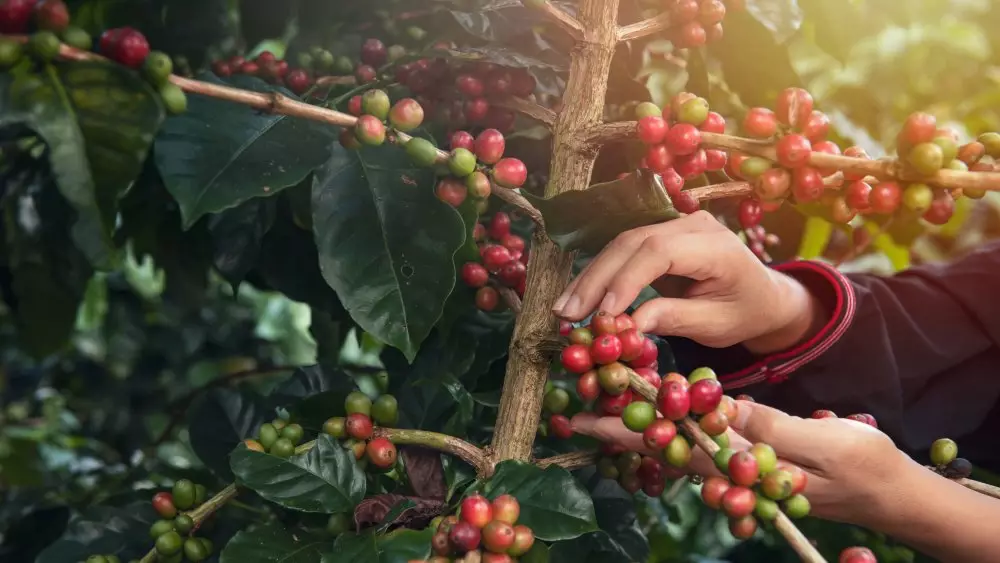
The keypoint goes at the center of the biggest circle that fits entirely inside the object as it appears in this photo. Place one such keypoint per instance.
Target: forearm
(941, 518)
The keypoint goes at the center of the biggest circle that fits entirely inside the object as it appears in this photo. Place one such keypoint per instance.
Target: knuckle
(656, 244)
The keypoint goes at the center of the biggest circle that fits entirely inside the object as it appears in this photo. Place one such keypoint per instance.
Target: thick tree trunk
(548, 268)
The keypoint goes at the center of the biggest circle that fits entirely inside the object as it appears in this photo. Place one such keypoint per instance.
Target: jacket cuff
(835, 293)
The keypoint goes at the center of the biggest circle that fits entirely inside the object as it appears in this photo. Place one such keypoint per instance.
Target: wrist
(800, 315)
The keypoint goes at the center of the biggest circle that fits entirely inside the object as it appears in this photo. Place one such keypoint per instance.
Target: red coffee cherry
(498, 536)
(359, 426)
(474, 274)
(674, 401)
(373, 52)
(588, 387)
(691, 166)
(576, 358)
(659, 433)
(450, 190)
(524, 538)
(738, 502)
(823, 413)
(760, 123)
(683, 138)
(631, 341)
(506, 509)
(560, 427)
(602, 323)
(513, 273)
(624, 322)
(857, 555)
(469, 85)
(743, 528)
(714, 123)
(714, 423)
(712, 491)
(715, 160)
(793, 151)
(658, 158)
(614, 405)
(489, 146)
(743, 469)
(685, 203)
(863, 418)
(773, 184)
(918, 128)
(651, 130)
(495, 257)
(381, 453)
(750, 213)
(807, 184)
(858, 195)
(941, 209)
(487, 299)
(476, 110)
(163, 504)
(606, 349)
(691, 34)
(464, 537)
(648, 357)
(476, 510)
(705, 396)
(885, 197)
(794, 106)
(510, 172)
(365, 74)
(461, 140)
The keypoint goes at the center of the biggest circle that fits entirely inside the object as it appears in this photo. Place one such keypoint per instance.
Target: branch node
(645, 27)
(568, 23)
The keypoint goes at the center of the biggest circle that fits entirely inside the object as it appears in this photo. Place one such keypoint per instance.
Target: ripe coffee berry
(510, 172)
(524, 538)
(648, 356)
(461, 140)
(506, 509)
(651, 130)
(807, 184)
(885, 197)
(358, 426)
(794, 106)
(469, 85)
(705, 396)
(373, 52)
(743, 528)
(941, 209)
(476, 510)
(381, 453)
(659, 434)
(918, 128)
(489, 146)
(650, 376)
(743, 469)
(450, 190)
(858, 195)
(495, 256)
(163, 504)
(464, 537)
(714, 423)
(674, 401)
(370, 130)
(857, 555)
(823, 413)
(631, 341)
(407, 114)
(793, 151)
(683, 138)
(614, 405)
(602, 323)
(760, 123)
(658, 158)
(738, 502)
(750, 214)
(690, 167)
(298, 81)
(576, 358)
(715, 160)
(606, 349)
(499, 226)
(513, 273)
(588, 387)
(487, 299)
(816, 128)
(498, 536)
(131, 48)
(712, 491)
(772, 184)
(475, 275)
(714, 123)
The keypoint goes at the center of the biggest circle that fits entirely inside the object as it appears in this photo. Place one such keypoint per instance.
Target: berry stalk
(782, 523)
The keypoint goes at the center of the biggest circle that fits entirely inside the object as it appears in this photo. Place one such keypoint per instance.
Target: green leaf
(553, 504)
(589, 219)
(815, 238)
(315, 394)
(219, 154)
(781, 17)
(399, 546)
(271, 544)
(220, 421)
(237, 235)
(98, 121)
(49, 275)
(385, 242)
(325, 479)
(121, 531)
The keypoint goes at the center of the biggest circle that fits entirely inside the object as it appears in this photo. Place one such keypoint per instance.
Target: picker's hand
(734, 298)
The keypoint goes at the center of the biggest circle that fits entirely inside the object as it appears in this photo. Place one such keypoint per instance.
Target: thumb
(689, 318)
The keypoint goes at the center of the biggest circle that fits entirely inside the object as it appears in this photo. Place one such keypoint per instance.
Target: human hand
(854, 472)
(734, 298)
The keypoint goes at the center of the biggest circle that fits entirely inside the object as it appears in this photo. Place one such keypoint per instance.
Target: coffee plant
(278, 277)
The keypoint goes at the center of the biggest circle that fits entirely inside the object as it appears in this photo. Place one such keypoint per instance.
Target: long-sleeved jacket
(919, 350)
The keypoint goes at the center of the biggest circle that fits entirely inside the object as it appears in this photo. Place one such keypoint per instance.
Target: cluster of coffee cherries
(267, 67)
(944, 458)
(672, 135)
(357, 429)
(554, 404)
(503, 261)
(373, 109)
(695, 22)
(125, 45)
(759, 240)
(864, 418)
(174, 533)
(278, 438)
(486, 531)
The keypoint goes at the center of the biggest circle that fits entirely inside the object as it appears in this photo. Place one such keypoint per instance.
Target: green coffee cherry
(183, 494)
(169, 543)
(157, 68)
(293, 433)
(268, 435)
(174, 99)
(385, 411)
(44, 46)
(11, 52)
(422, 152)
(358, 403)
(283, 448)
(943, 451)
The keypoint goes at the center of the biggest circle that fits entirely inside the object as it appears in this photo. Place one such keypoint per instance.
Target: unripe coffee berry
(479, 187)
(376, 103)
(767, 458)
(406, 115)
(796, 506)
(678, 452)
(461, 162)
(926, 158)
(647, 109)
(370, 130)
(766, 509)
(693, 111)
(581, 335)
(714, 423)
(385, 410)
(506, 509)
(614, 378)
(556, 401)
(943, 451)
(638, 416)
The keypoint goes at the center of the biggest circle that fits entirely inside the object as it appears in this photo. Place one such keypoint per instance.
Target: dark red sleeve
(919, 350)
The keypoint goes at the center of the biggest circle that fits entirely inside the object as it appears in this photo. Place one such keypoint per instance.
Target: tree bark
(549, 268)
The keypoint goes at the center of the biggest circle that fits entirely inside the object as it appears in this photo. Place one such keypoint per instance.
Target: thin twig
(721, 191)
(459, 448)
(198, 515)
(645, 27)
(511, 298)
(515, 198)
(980, 487)
(538, 113)
(782, 523)
(675, 489)
(571, 25)
(571, 460)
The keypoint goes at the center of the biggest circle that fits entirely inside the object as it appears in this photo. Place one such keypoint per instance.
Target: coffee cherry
(705, 396)
(693, 111)
(462, 140)
(658, 158)
(498, 536)
(767, 459)
(690, 167)
(816, 127)
(376, 103)
(15, 16)
(606, 349)
(682, 139)
(918, 128)
(712, 491)
(510, 172)
(365, 74)
(385, 410)
(489, 146)
(43, 46)
(174, 99)
(254, 445)
(556, 401)
(943, 451)
(959, 468)
(760, 123)
(918, 197)
(651, 130)
(335, 427)
(857, 555)
(606, 468)
(461, 162)
(646, 109)
(560, 427)
(131, 49)
(479, 187)
(183, 494)
(794, 107)
(702, 373)
(357, 402)
(381, 453)
(689, 35)
(373, 52)
(163, 504)
(714, 423)
(778, 485)
(495, 256)
(183, 524)
(370, 130)
(464, 537)
(476, 510)
(823, 413)
(674, 401)
(358, 426)
(743, 528)
(885, 197)
(738, 502)
(169, 543)
(293, 433)
(941, 209)
(407, 114)
(506, 509)
(678, 452)
(991, 143)
(614, 378)
(722, 457)
(926, 158)
(796, 506)
(576, 358)
(487, 299)
(659, 433)
(581, 335)
(754, 167)
(631, 342)
(807, 184)
(648, 356)
(638, 416)
(772, 184)
(524, 538)
(476, 110)
(793, 151)
(743, 469)
(588, 387)
(160, 527)
(421, 151)
(157, 68)
(750, 213)
(469, 85)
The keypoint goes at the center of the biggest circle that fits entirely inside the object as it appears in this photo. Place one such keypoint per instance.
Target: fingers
(700, 320)
(634, 260)
(792, 438)
(609, 429)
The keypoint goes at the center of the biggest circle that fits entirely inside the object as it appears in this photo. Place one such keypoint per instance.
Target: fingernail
(743, 411)
(581, 424)
(570, 309)
(608, 303)
(559, 304)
